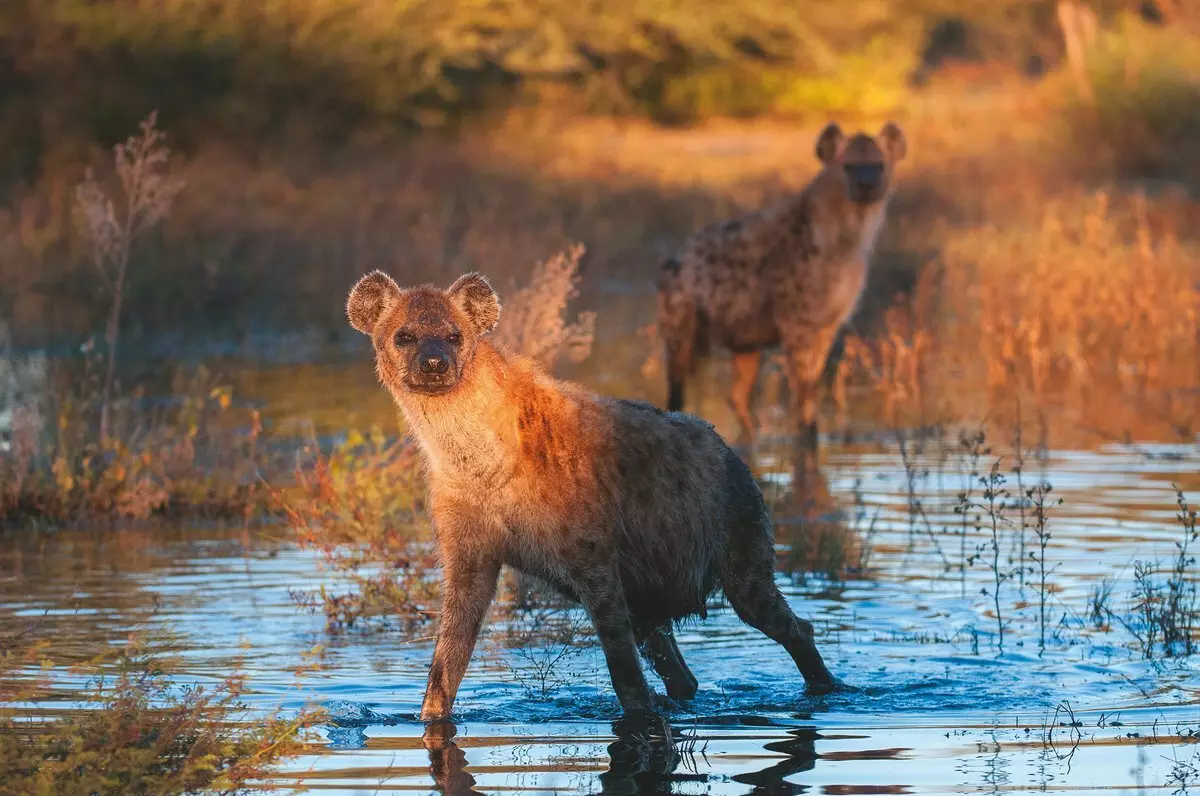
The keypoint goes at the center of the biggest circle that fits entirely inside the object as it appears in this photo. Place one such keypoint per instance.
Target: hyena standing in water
(637, 514)
(788, 275)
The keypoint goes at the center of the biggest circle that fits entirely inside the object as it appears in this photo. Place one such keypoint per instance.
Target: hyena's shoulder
(652, 444)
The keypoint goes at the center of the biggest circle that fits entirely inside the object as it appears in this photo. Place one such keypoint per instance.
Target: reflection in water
(645, 756)
(447, 763)
(800, 754)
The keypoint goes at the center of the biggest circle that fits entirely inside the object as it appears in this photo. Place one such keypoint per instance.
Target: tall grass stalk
(146, 196)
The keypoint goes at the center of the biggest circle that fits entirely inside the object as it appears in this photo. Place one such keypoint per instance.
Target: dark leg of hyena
(603, 598)
(468, 588)
(745, 374)
(678, 325)
(664, 653)
(749, 581)
(678, 365)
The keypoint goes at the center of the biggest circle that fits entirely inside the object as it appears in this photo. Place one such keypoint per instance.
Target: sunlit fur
(638, 514)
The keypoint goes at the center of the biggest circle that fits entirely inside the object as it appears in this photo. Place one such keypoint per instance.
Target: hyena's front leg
(468, 586)
(603, 598)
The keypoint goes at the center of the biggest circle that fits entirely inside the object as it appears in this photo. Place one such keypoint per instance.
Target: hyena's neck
(841, 229)
(870, 223)
(465, 431)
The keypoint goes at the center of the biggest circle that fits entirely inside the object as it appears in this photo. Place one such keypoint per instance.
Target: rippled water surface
(936, 707)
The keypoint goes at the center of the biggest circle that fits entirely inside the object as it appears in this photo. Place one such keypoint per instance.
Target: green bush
(254, 71)
(1144, 110)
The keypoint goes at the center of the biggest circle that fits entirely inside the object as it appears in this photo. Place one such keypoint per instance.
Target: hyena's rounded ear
(829, 143)
(892, 142)
(368, 300)
(473, 294)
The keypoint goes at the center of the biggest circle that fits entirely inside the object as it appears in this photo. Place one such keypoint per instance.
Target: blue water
(935, 707)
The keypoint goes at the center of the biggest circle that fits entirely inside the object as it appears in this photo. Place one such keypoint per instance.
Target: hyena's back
(715, 289)
(684, 499)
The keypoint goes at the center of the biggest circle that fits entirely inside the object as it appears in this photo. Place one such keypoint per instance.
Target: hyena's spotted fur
(638, 514)
(789, 275)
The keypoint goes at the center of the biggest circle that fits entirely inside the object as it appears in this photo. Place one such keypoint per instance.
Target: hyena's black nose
(434, 363)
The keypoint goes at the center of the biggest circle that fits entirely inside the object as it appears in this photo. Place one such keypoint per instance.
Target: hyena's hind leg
(668, 662)
(749, 581)
(679, 328)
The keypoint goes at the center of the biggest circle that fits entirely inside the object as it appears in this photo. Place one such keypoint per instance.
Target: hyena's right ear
(829, 143)
(473, 294)
(368, 300)
(894, 143)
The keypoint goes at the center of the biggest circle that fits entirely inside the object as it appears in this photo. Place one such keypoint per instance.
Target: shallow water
(936, 707)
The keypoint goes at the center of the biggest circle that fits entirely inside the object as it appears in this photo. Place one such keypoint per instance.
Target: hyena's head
(424, 338)
(865, 162)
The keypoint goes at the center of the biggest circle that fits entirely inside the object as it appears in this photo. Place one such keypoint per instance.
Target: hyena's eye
(454, 338)
(405, 338)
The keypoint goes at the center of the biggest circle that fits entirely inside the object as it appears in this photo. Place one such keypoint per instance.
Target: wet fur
(638, 514)
(789, 275)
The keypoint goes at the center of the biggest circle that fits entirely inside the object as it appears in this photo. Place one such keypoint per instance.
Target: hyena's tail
(682, 330)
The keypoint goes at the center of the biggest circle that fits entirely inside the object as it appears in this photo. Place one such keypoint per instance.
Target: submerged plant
(995, 495)
(1038, 496)
(971, 447)
(1168, 612)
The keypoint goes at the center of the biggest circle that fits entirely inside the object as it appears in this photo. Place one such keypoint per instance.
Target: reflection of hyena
(637, 514)
(787, 275)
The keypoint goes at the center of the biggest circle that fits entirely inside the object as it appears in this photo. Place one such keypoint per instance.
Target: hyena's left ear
(473, 294)
(892, 142)
(368, 300)
(829, 143)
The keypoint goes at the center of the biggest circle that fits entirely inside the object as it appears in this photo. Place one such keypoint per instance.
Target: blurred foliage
(1144, 117)
(195, 454)
(76, 71)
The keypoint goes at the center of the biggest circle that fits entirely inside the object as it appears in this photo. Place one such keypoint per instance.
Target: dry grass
(1091, 317)
(196, 454)
(534, 318)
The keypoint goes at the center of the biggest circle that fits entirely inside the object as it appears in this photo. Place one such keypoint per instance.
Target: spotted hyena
(637, 514)
(789, 275)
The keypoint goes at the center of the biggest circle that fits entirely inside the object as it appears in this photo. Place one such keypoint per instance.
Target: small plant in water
(1167, 614)
(995, 495)
(1098, 609)
(545, 640)
(1038, 496)
(971, 447)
